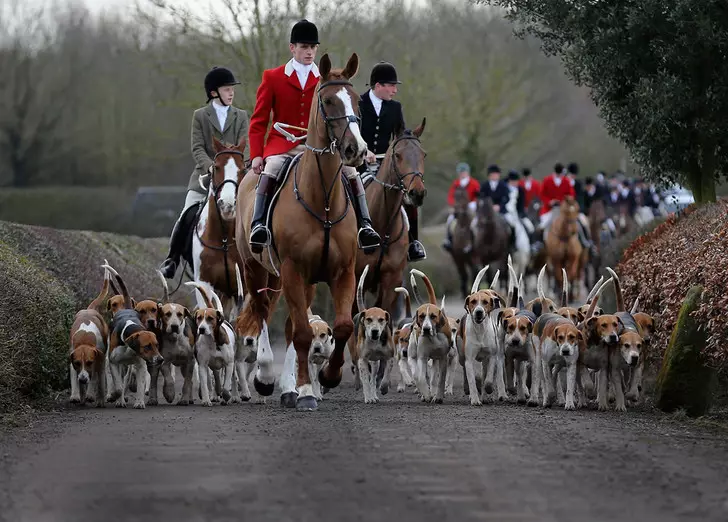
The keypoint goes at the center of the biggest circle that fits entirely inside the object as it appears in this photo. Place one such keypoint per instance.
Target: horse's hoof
(306, 404)
(226, 396)
(521, 401)
(488, 388)
(153, 402)
(384, 389)
(324, 390)
(288, 400)
(329, 383)
(244, 398)
(266, 390)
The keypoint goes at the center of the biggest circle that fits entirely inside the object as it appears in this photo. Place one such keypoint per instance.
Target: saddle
(189, 221)
(282, 178)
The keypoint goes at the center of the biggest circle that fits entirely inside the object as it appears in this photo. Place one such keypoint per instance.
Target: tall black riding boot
(416, 251)
(367, 238)
(177, 241)
(259, 234)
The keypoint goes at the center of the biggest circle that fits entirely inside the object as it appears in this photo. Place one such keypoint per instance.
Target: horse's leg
(354, 356)
(295, 291)
(288, 375)
(342, 290)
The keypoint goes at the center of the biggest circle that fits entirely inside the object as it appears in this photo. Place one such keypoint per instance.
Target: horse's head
(226, 175)
(338, 106)
(408, 164)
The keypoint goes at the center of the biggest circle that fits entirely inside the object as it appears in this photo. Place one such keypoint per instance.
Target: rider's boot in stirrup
(415, 251)
(177, 241)
(259, 234)
(367, 238)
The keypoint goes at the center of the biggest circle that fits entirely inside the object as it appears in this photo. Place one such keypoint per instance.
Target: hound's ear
(466, 303)
(385, 335)
(442, 321)
(496, 302)
(530, 327)
(133, 302)
(220, 318)
(581, 336)
(329, 332)
(580, 315)
(187, 313)
(387, 318)
(621, 325)
(591, 323)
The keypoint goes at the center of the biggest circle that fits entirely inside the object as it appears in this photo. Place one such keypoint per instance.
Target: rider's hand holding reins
(371, 157)
(257, 165)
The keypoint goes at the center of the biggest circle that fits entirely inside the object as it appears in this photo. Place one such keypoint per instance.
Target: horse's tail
(594, 290)
(241, 293)
(96, 303)
(202, 288)
(360, 304)
(407, 301)
(617, 290)
(165, 288)
(564, 288)
(478, 279)
(122, 285)
(428, 284)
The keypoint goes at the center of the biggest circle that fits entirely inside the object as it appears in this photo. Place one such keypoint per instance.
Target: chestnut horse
(400, 179)
(213, 243)
(313, 229)
(563, 248)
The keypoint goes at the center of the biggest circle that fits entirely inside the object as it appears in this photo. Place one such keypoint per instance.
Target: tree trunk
(701, 179)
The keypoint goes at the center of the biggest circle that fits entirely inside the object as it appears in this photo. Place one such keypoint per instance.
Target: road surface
(398, 460)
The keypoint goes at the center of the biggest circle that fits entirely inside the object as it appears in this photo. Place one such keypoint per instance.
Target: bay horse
(462, 240)
(213, 242)
(563, 248)
(492, 237)
(313, 230)
(597, 216)
(400, 179)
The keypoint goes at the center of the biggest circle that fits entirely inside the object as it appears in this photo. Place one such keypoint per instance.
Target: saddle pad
(281, 183)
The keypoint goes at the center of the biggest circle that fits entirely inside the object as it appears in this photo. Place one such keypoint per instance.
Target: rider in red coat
(555, 187)
(288, 92)
(531, 186)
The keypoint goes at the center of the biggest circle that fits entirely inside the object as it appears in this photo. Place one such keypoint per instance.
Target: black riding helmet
(216, 78)
(383, 72)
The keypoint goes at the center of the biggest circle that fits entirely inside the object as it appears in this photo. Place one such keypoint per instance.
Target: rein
(333, 146)
(215, 193)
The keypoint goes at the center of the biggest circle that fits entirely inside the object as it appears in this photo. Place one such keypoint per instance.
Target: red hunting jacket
(532, 191)
(472, 188)
(280, 92)
(549, 191)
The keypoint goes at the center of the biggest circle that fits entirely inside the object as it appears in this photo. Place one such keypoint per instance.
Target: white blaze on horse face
(344, 96)
(227, 193)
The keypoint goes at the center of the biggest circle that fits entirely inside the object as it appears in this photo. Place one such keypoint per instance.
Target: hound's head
(208, 321)
(647, 324)
(605, 328)
(322, 344)
(86, 359)
(630, 346)
(540, 306)
(172, 317)
(148, 311)
(518, 329)
(568, 338)
(480, 304)
(374, 324)
(248, 327)
(401, 340)
(570, 313)
(116, 303)
(146, 345)
(454, 324)
(583, 309)
(430, 320)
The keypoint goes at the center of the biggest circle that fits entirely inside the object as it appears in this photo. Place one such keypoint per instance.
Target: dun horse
(563, 248)
(313, 229)
(400, 179)
(213, 242)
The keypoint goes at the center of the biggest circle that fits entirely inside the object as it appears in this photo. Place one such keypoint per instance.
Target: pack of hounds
(536, 352)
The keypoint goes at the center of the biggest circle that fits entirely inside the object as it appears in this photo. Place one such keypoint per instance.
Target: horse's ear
(352, 67)
(217, 144)
(420, 128)
(325, 67)
(241, 144)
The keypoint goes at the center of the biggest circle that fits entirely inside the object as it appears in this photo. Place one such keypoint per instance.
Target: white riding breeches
(274, 164)
(192, 198)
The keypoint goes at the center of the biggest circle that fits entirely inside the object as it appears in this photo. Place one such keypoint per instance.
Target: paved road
(397, 460)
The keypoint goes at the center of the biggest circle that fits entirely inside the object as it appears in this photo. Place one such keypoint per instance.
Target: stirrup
(257, 246)
(371, 248)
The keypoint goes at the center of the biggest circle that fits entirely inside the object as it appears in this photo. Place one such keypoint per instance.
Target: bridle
(399, 186)
(215, 193)
(334, 142)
